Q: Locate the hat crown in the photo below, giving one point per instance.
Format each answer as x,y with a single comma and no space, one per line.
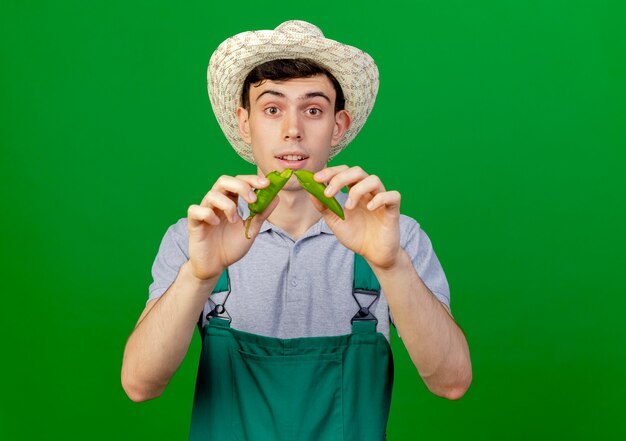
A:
299,27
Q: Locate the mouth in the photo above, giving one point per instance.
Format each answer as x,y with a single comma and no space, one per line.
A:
292,160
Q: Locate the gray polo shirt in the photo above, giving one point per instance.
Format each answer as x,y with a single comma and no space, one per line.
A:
285,288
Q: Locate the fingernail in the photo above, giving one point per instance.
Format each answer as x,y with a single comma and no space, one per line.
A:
319,176
251,196
262,181
328,191
370,205
348,203
214,221
234,217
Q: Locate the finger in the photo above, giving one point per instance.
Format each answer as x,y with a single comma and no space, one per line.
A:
242,185
198,213
216,200
268,210
326,174
390,199
329,217
255,181
323,209
370,186
318,204
347,178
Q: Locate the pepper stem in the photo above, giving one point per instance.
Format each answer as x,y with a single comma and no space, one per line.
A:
248,222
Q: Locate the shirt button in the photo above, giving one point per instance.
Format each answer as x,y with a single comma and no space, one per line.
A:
294,282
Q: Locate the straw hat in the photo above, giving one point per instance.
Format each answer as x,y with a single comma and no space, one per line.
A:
237,56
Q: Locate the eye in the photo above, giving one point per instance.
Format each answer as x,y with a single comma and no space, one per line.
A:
273,110
314,111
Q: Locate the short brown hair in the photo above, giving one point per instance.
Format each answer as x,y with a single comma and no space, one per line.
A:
286,69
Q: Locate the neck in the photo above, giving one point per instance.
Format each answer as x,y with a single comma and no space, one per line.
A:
295,213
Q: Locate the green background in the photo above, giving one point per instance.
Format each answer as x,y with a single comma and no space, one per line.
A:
501,123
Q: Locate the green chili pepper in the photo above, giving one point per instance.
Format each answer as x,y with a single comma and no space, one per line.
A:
305,178
266,195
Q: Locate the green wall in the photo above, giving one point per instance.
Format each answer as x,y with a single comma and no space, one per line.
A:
501,123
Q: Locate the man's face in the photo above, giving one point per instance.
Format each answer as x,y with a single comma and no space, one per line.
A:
292,123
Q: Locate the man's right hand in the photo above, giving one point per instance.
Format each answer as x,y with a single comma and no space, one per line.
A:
216,231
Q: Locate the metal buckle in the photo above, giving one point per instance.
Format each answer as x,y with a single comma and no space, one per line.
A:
364,313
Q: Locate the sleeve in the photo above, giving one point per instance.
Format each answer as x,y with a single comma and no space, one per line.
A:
418,245
173,253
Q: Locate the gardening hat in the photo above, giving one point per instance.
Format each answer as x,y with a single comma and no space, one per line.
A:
233,60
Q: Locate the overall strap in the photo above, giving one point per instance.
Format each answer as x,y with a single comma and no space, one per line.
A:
223,284
218,310
365,283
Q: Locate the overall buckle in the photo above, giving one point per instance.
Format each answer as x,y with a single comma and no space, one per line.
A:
364,313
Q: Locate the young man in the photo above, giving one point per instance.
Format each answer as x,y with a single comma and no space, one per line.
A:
295,320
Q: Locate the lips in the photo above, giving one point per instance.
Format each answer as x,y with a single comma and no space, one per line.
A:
292,157
293,160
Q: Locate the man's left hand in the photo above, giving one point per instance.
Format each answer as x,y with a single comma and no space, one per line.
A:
372,224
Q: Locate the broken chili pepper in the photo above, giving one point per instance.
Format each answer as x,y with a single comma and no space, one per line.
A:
305,178
266,195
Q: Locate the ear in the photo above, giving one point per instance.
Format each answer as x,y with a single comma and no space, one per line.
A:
244,125
343,121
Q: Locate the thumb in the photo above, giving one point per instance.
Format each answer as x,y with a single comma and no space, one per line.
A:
329,217
323,209
257,221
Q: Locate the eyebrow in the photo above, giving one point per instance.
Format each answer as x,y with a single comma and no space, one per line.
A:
315,94
304,97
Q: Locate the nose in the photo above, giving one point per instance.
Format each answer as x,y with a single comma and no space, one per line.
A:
292,129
